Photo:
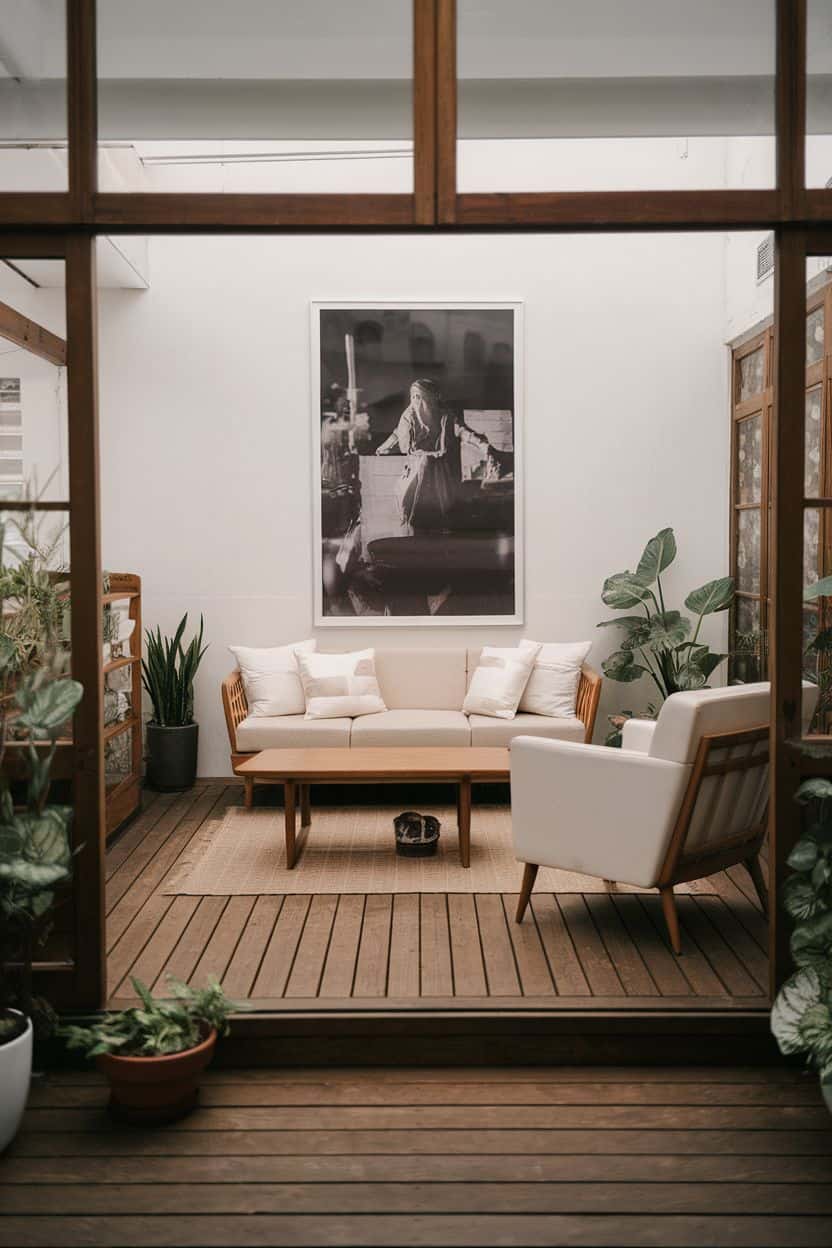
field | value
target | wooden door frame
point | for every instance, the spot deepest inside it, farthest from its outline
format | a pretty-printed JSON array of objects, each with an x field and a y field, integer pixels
[{"x": 40, "y": 223}]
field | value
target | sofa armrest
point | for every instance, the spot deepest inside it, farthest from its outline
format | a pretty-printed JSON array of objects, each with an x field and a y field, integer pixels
[
  {"x": 589, "y": 694},
  {"x": 637, "y": 735},
  {"x": 234, "y": 704},
  {"x": 588, "y": 808}
]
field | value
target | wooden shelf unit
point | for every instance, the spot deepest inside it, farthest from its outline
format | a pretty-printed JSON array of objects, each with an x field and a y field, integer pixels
[{"x": 123, "y": 797}]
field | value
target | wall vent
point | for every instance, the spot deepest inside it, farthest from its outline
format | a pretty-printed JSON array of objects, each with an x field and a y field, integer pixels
[{"x": 765, "y": 258}]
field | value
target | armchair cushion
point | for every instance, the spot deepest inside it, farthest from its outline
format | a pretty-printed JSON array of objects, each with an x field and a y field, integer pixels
[{"x": 637, "y": 734}]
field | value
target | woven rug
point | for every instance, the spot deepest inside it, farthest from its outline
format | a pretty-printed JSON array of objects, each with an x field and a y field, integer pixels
[{"x": 352, "y": 850}]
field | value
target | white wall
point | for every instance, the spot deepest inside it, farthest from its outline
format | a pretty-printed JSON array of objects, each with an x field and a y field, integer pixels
[{"x": 206, "y": 425}]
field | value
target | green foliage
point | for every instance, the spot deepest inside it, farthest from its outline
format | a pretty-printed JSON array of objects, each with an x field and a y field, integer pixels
[
  {"x": 157, "y": 1027},
  {"x": 168, "y": 675},
  {"x": 660, "y": 643},
  {"x": 801, "y": 1018}
]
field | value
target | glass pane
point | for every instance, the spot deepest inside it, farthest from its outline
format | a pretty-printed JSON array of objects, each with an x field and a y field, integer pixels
[
  {"x": 33, "y": 125},
  {"x": 810, "y": 655},
  {"x": 814, "y": 336},
  {"x": 748, "y": 551},
  {"x": 118, "y": 755},
  {"x": 813, "y": 413},
  {"x": 301, "y": 96},
  {"x": 811, "y": 546},
  {"x": 661, "y": 94},
  {"x": 749, "y": 459},
  {"x": 819, "y": 93},
  {"x": 748, "y": 651},
  {"x": 751, "y": 374}
]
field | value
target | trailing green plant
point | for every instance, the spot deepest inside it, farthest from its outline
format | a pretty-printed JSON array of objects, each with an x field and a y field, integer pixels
[
  {"x": 659, "y": 643},
  {"x": 819, "y": 652},
  {"x": 801, "y": 1017},
  {"x": 168, "y": 675},
  {"x": 157, "y": 1027},
  {"x": 37, "y": 699}
]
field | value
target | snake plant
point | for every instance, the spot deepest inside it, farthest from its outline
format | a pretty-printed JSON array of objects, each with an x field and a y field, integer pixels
[{"x": 168, "y": 675}]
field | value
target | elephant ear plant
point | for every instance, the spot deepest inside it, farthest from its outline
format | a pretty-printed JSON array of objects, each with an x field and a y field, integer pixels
[
  {"x": 801, "y": 1018},
  {"x": 168, "y": 674},
  {"x": 657, "y": 642}
]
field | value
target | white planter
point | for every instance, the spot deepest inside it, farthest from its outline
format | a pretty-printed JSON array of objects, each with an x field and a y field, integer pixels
[{"x": 15, "y": 1074}]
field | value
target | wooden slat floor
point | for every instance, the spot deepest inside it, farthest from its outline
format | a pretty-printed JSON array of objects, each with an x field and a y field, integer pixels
[
  {"x": 578, "y": 949},
  {"x": 555, "y": 1155}
]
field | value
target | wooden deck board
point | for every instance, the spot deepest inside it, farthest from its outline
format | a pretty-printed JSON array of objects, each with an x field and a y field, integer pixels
[{"x": 330, "y": 949}]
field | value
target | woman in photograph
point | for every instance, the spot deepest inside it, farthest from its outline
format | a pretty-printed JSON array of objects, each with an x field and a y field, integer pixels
[{"x": 430, "y": 436}]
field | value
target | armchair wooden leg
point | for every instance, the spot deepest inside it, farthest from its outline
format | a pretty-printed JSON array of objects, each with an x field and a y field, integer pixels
[
  {"x": 758, "y": 880},
  {"x": 671, "y": 918},
  {"x": 529, "y": 877}
]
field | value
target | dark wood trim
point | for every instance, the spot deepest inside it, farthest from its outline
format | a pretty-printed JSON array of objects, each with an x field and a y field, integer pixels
[
  {"x": 82, "y": 102},
  {"x": 790, "y": 103},
  {"x": 87, "y": 640},
  {"x": 170, "y": 213},
  {"x": 424, "y": 112},
  {"x": 654, "y": 210},
  {"x": 10, "y": 504},
  {"x": 446, "y": 111},
  {"x": 819, "y": 209},
  {"x": 23, "y": 332},
  {"x": 22, "y": 246},
  {"x": 786, "y": 566}
]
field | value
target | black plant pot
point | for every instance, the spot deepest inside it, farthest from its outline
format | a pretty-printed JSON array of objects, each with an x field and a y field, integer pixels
[{"x": 171, "y": 757}]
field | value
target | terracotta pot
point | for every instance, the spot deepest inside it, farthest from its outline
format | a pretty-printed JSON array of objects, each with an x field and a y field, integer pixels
[{"x": 156, "y": 1089}]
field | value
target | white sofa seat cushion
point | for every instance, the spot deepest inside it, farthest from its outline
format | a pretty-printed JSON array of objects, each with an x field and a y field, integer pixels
[
  {"x": 486, "y": 730},
  {"x": 267, "y": 732},
  {"x": 405, "y": 728}
]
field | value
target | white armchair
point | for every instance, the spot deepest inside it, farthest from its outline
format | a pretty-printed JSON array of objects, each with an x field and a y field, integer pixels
[{"x": 686, "y": 796}]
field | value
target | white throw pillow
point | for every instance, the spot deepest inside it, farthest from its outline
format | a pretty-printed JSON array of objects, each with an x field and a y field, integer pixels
[
  {"x": 553, "y": 684},
  {"x": 340, "y": 684},
  {"x": 498, "y": 683},
  {"x": 271, "y": 678}
]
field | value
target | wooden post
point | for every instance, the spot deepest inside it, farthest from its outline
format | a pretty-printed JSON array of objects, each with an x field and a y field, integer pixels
[
  {"x": 424, "y": 112},
  {"x": 86, "y": 638},
  {"x": 790, "y": 127},
  {"x": 82, "y": 105},
  {"x": 446, "y": 111}
]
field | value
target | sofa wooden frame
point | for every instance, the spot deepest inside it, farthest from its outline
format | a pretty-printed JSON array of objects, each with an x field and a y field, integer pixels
[
  {"x": 65, "y": 225},
  {"x": 235, "y": 708}
]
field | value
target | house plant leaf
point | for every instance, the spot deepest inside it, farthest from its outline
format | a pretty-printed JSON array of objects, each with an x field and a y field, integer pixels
[
  {"x": 623, "y": 591},
  {"x": 714, "y": 596},
  {"x": 797, "y": 995},
  {"x": 820, "y": 589},
  {"x": 658, "y": 554},
  {"x": 621, "y": 666},
  {"x": 636, "y": 630},
  {"x": 45, "y": 708},
  {"x": 811, "y": 942},
  {"x": 668, "y": 629}
]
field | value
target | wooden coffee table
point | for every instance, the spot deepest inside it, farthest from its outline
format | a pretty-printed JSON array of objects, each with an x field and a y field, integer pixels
[{"x": 296, "y": 770}]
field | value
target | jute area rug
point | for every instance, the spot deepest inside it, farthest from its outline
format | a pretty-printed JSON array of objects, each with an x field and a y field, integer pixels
[{"x": 352, "y": 850}]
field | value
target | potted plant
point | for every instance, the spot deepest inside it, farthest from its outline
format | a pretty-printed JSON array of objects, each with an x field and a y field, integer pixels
[
  {"x": 172, "y": 736},
  {"x": 152, "y": 1054},
  {"x": 660, "y": 643},
  {"x": 801, "y": 1017}
]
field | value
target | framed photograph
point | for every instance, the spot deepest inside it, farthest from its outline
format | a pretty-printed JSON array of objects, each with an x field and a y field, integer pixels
[{"x": 417, "y": 463}]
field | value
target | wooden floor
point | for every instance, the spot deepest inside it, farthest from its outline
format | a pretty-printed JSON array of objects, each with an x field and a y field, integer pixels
[
  {"x": 555, "y": 1155},
  {"x": 598, "y": 950}
]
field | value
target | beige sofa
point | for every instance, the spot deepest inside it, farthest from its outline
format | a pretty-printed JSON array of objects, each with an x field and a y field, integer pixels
[{"x": 423, "y": 690}]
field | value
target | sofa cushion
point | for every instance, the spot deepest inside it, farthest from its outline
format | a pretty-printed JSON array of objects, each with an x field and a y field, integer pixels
[
  {"x": 265, "y": 732},
  {"x": 552, "y": 688},
  {"x": 428, "y": 678},
  {"x": 271, "y": 678},
  {"x": 403, "y": 728},
  {"x": 485, "y": 730},
  {"x": 498, "y": 683},
  {"x": 340, "y": 684}
]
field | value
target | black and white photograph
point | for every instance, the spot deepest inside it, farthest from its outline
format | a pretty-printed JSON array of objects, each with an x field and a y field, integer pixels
[{"x": 416, "y": 449}]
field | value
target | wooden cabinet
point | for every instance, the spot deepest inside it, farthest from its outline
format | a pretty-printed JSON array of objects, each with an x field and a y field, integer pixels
[{"x": 123, "y": 702}]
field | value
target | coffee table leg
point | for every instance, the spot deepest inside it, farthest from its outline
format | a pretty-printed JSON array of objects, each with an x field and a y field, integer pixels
[
  {"x": 464, "y": 820},
  {"x": 305, "y": 806},
  {"x": 289, "y": 807},
  {"x": 249, "y": 792}
]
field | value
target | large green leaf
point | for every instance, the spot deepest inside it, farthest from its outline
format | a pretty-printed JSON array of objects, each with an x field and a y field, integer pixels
[
  {"x": 820, "y": 589},
  {"x": 658, "y": 554},
  {"x": 668, "y": 629},
  {"x": 811, "y": 943},
  {"x": 800, "y": 898},
  {"x": 32, "y": 875},
  {"x": 621, "y": 666},
  {"x": 46, "y": 836},
  {"x": 797, "y": 995},
  {"x": 804, "y": 855},
  {"x": 636, "y": 630},
  {"x": 45, "y": 708},
  {"x": 688, "y": 677},
  {"x": 814, "y": 790},
  {"x": 714, "y": 596},
  {"x": 622, "y": 592},
  {"x": 822, "y": 643},
  {"x": 8, "y": 652}
]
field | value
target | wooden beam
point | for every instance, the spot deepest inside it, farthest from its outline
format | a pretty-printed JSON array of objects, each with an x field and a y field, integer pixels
[
  {"x": 86, "y": 639},
  {"x": 446, "y": 111},
  {"x": 615, "y": 210},
  {"x": 82, "y": 103},
  {"x": 424, "y": 111},
  {"x": 17, "y": 328},
  {"x": 212, "y": 211},
  {"x": 790, "y": 97},
  {"x": 786, "y": 571}
]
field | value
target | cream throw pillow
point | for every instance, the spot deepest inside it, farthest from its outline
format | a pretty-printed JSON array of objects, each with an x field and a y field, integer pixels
[
  {"x": 271, "y": 678},
  {"x": 498, "y": 683},
  {"x": 340, "y": 684},
  {"x": 553, "y": 684}
]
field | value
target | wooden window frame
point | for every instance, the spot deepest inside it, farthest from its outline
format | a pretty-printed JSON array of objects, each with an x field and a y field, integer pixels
[{"x": 67, "y": 223}]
